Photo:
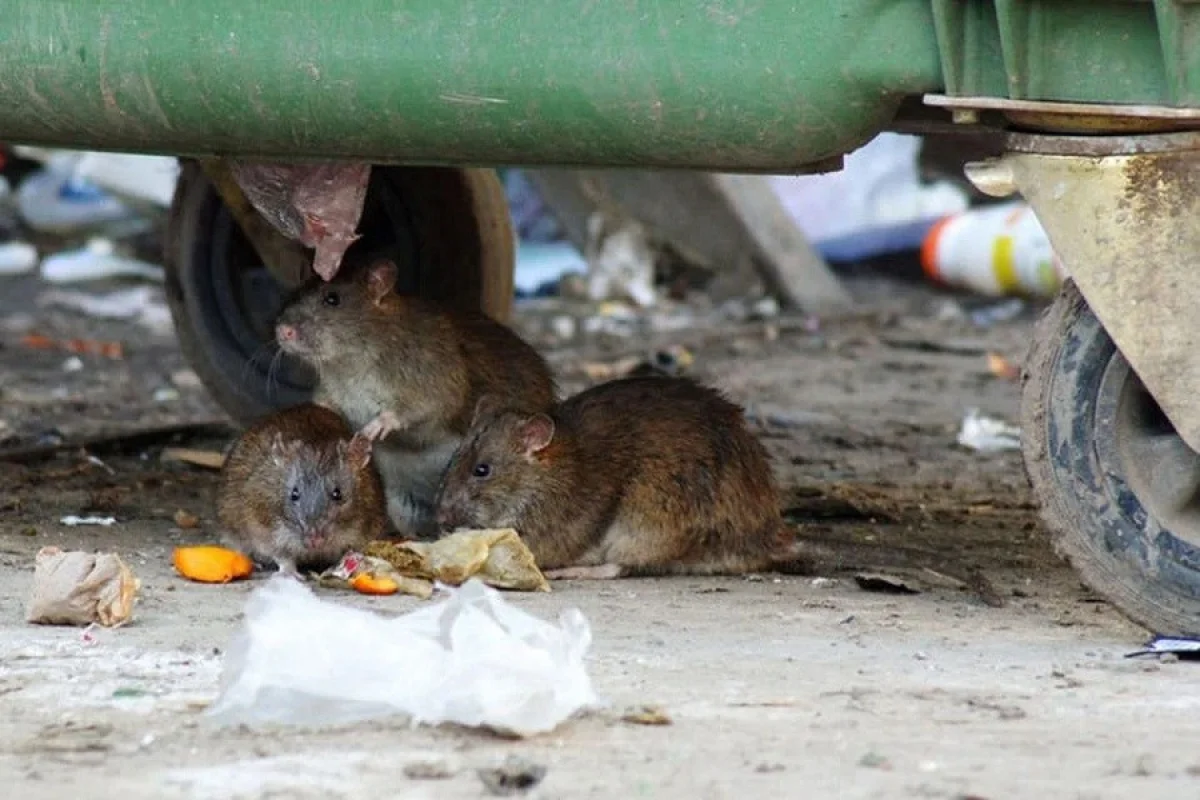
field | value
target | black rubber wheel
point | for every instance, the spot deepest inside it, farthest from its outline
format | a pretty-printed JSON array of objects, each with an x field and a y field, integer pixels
[
  {"x": 1118, "y": 488},
  {"x": 448, "y": 229}
]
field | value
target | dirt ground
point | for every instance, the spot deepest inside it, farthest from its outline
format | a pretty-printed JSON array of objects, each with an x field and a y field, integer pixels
[{"x": 776, "y": 685}]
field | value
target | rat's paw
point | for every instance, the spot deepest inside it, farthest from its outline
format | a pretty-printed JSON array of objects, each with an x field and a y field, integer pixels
[
  {"x": 602, "y": 572},
  {"x": 380, "y": 427}
]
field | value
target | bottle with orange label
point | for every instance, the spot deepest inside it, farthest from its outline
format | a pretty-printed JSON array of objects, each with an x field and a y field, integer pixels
[{"x": 995, "y": 250}]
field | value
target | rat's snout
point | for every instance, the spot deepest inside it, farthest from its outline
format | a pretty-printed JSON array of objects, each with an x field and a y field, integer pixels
[
  {"x": 448, "y": 517},
  {"x": 286, "y": 334}
]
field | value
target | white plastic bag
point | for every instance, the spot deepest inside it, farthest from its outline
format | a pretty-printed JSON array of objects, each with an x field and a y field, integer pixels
[{"x": 472, "y": 659}]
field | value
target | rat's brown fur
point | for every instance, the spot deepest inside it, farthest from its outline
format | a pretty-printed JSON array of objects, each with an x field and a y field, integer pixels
[
  {"x": 377, "y": 351},
  {"x": 642, "y": 476},
  {"x": 309, "y": 448},
  {"x": 651, "y": 475}
]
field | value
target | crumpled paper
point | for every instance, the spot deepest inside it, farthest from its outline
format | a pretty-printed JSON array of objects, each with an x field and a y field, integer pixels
[
  {"x": 988, "y": 435},
  {"x": 78, "y": 588},
  {"x": 471, "y": 659},
  {"x": 497, "y": 557}
]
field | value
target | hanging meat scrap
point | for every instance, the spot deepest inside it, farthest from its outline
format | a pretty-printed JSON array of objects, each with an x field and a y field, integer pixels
[{"x": 318, "y": 204}]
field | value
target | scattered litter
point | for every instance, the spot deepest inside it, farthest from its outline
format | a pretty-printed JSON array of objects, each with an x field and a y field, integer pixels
[
  {"x": 95, "y": 462},
  {"x": 472, "y": 659},
  {"x": 373, "y": 576},
  {"x": 673, "y": 360},
  {"x": 541, "y": 265},
  {"x": 186, "y": 519},
  {"x": 97, "y": 260},
  {"x": 17, "y": 258},
  {"x": 140, "y": 304},
  {"x": 211, "y": 564},
  {"x": 78, "y": 588},
  {"x": 886, "y": 584},
  {"x": 1182, "y": 648},
  {"x": 209, "y": 459},
  {"x": 73, "y": 364},
  {"x": 824, "y": 583},
  {"x": 373, "y": 584},
  {"x": 497, "y": 557},
  {"x": 996, "y": 313},
  {"x": 646, "y": 715},
  {"x": 186, "y": 379},
  {"x": 996, "y": 250},
  {"x": 516, "y": 775},
  {"x": 988, "y": 435},
  {"x": 87, "y": 347},
  {"x": 564, "y": 327},
  {"x": 875, "y": 761},
  {"x": 166, "y": 394},
  {"x": 1001, "y": 367},
  {"x": 142, "y": 178},
  {"x": 55, "y": 200},
  {"x": 608, "y": 370},
  {"x": 430, "y": 770},
  {"x": 620, "y": 261},
  {"x": 72, "y": 521}
]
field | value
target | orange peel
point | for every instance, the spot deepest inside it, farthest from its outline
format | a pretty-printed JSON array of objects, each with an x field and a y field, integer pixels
[{"x": 212, "y": 564}]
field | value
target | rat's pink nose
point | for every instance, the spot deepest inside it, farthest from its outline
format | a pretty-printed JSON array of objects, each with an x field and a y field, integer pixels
[{"x": 285, "y": 333}]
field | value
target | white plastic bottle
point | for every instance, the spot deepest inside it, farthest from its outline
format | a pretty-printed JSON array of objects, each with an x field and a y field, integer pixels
[{"x": 997, "y": 250}]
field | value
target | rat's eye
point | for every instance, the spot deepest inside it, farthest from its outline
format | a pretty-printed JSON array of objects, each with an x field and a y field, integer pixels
[
  {"x": 331, "y": 298},
  {"x": 295, "y": 495},
  {"x": 336, "y": 494},
  {"x": 481, "y": 470}
]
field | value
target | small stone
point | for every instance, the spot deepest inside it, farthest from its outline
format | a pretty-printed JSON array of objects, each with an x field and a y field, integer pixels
[
  {"x": 430, "y": 770},
  {"x": 515, "y": 776},
  {"x": 186, "y": 379},
  {"x": 646, "y": 715}
]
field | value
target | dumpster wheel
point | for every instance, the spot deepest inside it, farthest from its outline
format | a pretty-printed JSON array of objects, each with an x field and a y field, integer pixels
[
  {"x": 448, "y": 229},
  {"x": 1118, "y": 488}
]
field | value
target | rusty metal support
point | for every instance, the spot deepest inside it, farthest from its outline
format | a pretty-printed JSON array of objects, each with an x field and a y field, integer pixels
[{"x": 1123, "y": 214}]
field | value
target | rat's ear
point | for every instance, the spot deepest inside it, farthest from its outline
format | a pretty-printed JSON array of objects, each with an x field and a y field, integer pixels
[
  {"x": 535, "y": 432},
  {"x": 357, "y": 452},
  {"x": 487, "y": 406},
  {"x": 381, "y": 279},
  {"x": 278, "y": 448}
]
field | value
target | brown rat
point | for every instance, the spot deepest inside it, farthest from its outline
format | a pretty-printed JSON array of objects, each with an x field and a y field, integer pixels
[
  {"x": 638, "y": 476},
  {"x": 299, "y": 488},
  {"x": 411, "y": 371}
]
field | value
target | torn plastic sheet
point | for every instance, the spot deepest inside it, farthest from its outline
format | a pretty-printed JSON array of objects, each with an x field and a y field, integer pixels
[{"x": 472, "y": 659}]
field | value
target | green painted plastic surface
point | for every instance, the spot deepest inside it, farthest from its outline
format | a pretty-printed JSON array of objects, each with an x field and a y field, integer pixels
[
  {"x": 749, "y": 84},
  {"x": 723, "y": 84},
  {"x": 1134, "y": 52}
]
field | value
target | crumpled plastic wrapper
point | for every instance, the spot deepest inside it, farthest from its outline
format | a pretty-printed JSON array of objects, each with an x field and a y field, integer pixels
[
  {"x": 497, "y": 557},
  {"x": 78, "y": 588},
  {"x": 471, "y": 660}
]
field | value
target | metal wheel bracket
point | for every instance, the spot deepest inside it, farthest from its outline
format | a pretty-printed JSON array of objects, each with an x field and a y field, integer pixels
[{"x": 1123, "y": 215}]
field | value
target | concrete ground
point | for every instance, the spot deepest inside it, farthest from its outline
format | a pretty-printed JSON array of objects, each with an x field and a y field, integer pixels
[{"x": 774, "y": 685}]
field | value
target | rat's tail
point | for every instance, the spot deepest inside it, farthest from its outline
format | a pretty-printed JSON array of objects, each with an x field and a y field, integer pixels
[{"x": 808, "y": 556}]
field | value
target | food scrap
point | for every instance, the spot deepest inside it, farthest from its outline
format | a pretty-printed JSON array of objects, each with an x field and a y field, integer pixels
[
  {"x": 36, "y": 341},
  {"x": 370, "y": 583},
  {"x": 497, "y": 557},
  {"x": 1001, "y": 367},
  {"x": 646, "y": 715},
  {"x": 78, "y": 588},
  {"x": 212, "y": 564}
]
